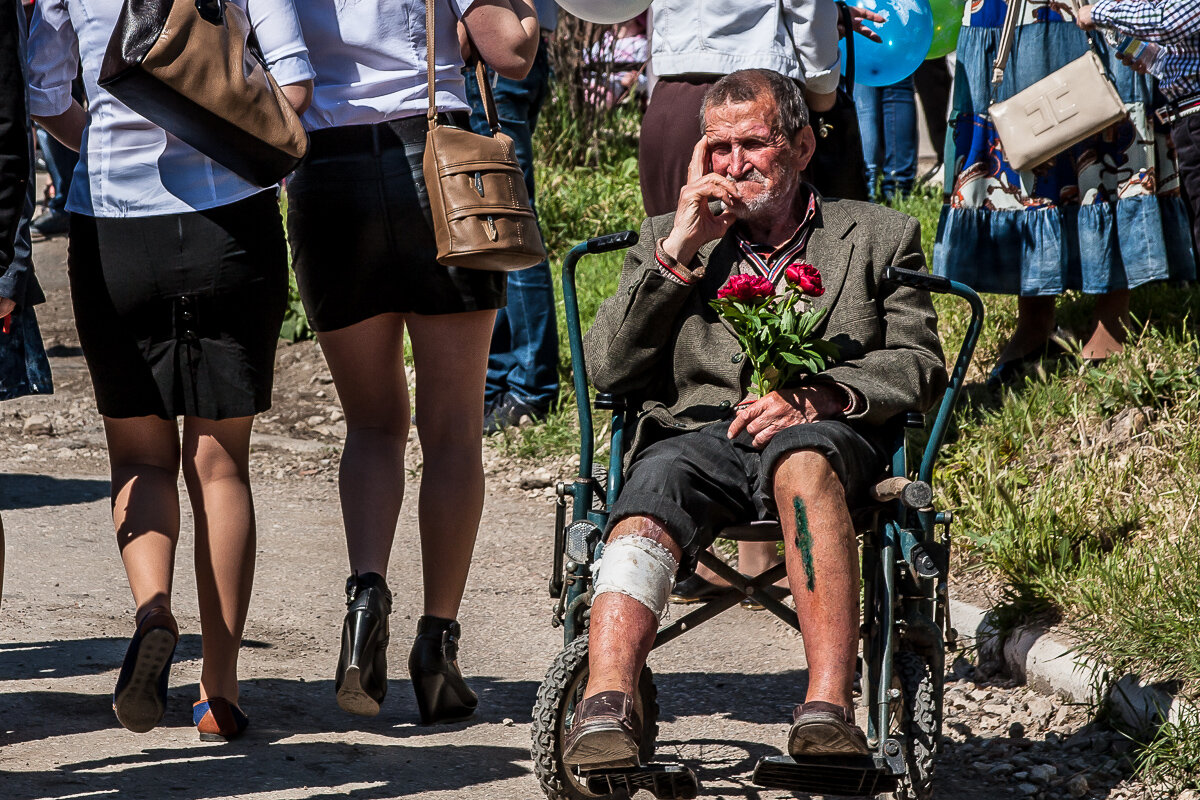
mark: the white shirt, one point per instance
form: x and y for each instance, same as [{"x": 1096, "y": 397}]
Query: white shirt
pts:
[
  {"x": 721, "y": 36},
  {"x": 128, "y": 166},
  {"x": 370, "y": 59}
]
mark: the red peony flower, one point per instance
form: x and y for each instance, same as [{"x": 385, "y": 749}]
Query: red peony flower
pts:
[
  {"x": 806, "y": 277},
  {"x": 746, "y": 288}
]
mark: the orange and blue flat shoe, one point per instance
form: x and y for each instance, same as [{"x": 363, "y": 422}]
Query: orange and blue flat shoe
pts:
[
  {"x": 140, "y": 698},
  {"x": 218, "y": 720}
]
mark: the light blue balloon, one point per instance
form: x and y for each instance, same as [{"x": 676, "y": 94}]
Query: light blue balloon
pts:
[{"x": 907, "y": 33}]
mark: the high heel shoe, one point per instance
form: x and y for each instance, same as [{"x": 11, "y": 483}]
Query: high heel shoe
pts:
[
  {"x": 361, "y": 681},
  {"x": 442, "y": 694}
]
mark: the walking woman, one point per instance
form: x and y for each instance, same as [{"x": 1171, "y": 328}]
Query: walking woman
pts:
[
  {"x": 178, "y": 272},
  {"x": 1104, "y": 216},
  {"x": 364, "y": 254}
]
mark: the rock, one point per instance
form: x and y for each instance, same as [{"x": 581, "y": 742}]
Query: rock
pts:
[
  {"x": 1040, "y": 709},
  {"x": 999, "y": 709},
  {"x": 314, "y": 421},
  {"x": 1077, "y": 786},
  {"x": 979, "y": 695},
  {"x": 38, "y": 425},
  {"x": 1053, "y": 739},
  {"x": 534, "y": 482},
  {"x": 1027, "y": 789},
  {"x": 1190, "y": 794},
  {"x": 506, "y": 722},
  {"x": 1042, "y": 773},
  {"x": 323, "y": 379},
  {"x": 1016, "y": 730},
  {"x": 1000, "y": 770}
]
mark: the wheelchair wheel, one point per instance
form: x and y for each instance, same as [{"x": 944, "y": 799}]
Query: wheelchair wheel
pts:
[
  {"x": 918, "y": 725},
  {"x": 554, "y": 712}
]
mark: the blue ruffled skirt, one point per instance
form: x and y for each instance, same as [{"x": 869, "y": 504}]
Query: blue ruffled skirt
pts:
[{"x": 1101, "y": 216}]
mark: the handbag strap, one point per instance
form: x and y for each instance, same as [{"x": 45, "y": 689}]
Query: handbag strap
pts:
[
  {"x": 1008, "y": 37},
  {"x": 485, "y": 89}
]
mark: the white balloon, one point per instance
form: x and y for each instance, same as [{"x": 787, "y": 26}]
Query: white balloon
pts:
[{"x": 605, "y": 12}]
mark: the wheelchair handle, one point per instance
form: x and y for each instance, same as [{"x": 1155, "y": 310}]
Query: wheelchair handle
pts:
[
  {"x": 917, "y": 280},
  {"x": 612, "y": 241}
]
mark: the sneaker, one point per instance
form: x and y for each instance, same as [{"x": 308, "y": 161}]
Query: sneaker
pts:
[
  {"x": 51, "y": 223},
  {"x": 510, "y": 412}
]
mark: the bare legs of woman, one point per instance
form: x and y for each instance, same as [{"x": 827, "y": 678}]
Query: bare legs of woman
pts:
[
  {"x": 367, "y": 364},
  {"x": 1035, "y": 325},
  {"x": 145, "y": 455}
]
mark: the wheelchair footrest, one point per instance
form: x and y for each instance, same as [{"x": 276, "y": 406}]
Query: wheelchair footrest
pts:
[
  {"x": 847, "y": 776},
  {"x": 664, "y": 781}
]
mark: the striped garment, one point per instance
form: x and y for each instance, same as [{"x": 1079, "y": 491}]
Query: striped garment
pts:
[{"x": 1172, "y": 24}]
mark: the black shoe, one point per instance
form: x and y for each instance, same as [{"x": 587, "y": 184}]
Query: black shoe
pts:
[
  {"x": 442, "y": 694},
  {"x": 361, "y": 681},
  {"x": 1009, "y": 373},
  {"x": 510, "y": 412},
  {"x": 694, "y": 589},
  {"x": 51, "y": 223}
]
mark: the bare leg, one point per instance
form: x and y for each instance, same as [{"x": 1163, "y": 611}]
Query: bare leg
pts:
[
  {"x": 216, "y": 472},
  {"x": 622, "y": 629},
  {"x": 1111, "y": 321},
  {"x": 450, "y": 356},
  {"x": 1035, "y": 323},
  {"x": 755, "y": 558},
  {"x": 822, "y": 558},
  {"x": 1, "y": 561},
  {"x": 367, "y": 364},
  {"x": 143, "y": 454}
]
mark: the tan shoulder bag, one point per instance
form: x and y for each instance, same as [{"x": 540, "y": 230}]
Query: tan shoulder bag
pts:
[
  {"x": 482, "y": 217},
  {"x": 1060, "y": 110}
]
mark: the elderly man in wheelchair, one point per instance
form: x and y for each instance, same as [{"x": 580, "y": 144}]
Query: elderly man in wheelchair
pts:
[{"x": 704, "y": 456}]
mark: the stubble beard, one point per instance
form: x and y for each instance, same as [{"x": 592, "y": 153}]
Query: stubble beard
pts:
[{"x": 770, "y": 203}]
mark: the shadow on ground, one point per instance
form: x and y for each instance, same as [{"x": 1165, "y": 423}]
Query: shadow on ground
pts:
[{"x": 40, "y": 491}]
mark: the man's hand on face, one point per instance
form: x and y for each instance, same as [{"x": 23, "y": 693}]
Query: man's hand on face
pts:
[
  {"x": 695, "y": 224},
  {"x": 784, "y": 408}
]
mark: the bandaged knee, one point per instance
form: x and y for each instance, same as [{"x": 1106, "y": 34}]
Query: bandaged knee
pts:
[{"x": 638, "y": 567}]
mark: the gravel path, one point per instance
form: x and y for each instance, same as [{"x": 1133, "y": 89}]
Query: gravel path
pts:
[{"x": 726, "y": 690}]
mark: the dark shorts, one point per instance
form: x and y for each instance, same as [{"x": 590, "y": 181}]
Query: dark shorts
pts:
[
  {"x": 361, "y": 231},
  {"x": 179, "y": 314},
  {"x": 698, "y": 483}
]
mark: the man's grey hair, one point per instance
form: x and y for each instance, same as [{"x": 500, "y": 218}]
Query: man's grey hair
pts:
[{"x": 748, "y": 85}]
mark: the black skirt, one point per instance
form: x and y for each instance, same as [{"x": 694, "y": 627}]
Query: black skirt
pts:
[
  {"x": 361, "y": 231},
  {"x": 179, "y": 314}
]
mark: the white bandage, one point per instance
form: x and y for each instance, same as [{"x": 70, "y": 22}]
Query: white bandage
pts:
[{"x": 638, "y": 567}]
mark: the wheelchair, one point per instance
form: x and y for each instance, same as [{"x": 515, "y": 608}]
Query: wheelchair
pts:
[{"x": 906, "y": 627}]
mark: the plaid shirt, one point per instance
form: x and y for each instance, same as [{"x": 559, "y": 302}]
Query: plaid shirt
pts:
[{"x": 1172, "y": 24}]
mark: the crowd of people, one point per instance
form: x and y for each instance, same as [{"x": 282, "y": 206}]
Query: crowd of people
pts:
[{"x": 178, "y": 270}]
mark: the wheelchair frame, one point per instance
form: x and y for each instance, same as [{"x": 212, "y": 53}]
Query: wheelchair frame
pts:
[{"x": 905, "y": 568}]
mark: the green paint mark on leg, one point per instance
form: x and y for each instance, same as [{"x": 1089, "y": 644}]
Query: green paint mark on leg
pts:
[{"x": 804, "y": 541}]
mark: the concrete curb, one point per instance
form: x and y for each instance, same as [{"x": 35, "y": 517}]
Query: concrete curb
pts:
[{"x": 1049, "y": 666}]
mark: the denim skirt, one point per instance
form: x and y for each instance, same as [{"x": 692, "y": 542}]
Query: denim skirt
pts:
[{"x": 1104, "y": 215}]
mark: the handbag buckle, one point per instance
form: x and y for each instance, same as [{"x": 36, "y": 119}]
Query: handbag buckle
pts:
[
  {"x": 493, "y": 234},
  {"x": 479, "y": 183},
  {"x": 212, "y": 11}
]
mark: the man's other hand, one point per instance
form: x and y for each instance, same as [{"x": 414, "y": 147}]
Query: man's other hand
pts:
[
  {"x": 695, "y": 224},
  {"x": 784, "y": 408}
]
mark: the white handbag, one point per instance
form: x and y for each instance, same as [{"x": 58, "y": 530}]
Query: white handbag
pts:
[{"x": 1061, "y": 110}]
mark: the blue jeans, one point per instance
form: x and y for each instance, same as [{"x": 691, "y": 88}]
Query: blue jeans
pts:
[
  {"x": 887, "y": 117},
  {"x": 60, "y": 163},
  {"x": 523, "y": 360}
]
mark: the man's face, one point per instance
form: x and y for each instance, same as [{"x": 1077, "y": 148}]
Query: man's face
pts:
[{"x": 745, "y": 146}]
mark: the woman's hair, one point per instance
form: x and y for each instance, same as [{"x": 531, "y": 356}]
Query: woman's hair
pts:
[{"x": 748, "y": 85}]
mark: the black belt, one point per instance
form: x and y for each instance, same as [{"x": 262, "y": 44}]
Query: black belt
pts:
[
  {"x": 1179, "y": 108},
  {"x": 406, "y": 130}
]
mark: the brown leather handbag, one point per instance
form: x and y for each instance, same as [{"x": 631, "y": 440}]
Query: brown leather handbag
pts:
[
  {"x": 482, "y": 218},
  {"x": 192, "y": 67}
]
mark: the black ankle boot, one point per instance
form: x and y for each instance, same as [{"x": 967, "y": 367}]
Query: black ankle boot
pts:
[
  {"x": 442, "y": 694},
  {"x": 361, "y": 680}
]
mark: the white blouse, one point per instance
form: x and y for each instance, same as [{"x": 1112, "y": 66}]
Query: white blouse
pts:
[
  {"x": 370, "y": 59},
  {"x": 128, "y": 166}
]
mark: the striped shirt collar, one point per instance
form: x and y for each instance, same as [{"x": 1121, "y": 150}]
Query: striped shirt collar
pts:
[{"x": 770, "y": 262}]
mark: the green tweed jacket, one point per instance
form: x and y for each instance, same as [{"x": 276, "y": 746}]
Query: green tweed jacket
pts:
[{"x": 662, "y": 346}]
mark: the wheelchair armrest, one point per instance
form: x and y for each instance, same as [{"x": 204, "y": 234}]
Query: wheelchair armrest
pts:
[
  {"x": 914, "y": 419},
  {"x": 610, "y": 402}
]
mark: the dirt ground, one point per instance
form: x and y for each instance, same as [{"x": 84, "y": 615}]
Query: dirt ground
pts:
[{"x": 726, "y": 691}]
